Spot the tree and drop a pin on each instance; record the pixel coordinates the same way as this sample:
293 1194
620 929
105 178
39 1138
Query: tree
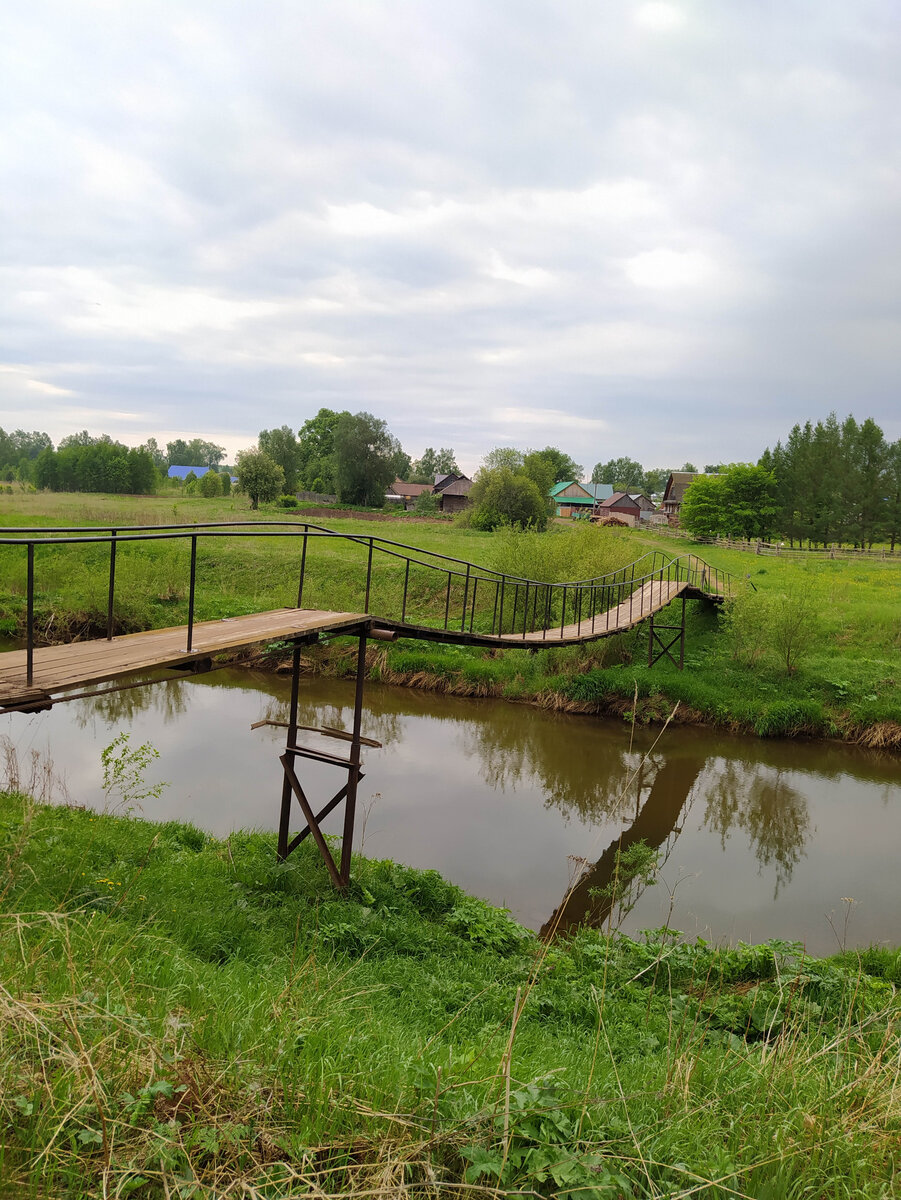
701 511
258 476
655 480
195 453
364 458
564 468
739 502
540 469
432 463
501 497
748 500
401 464
503 456
625 474
156 454
316 449
282 447
209 485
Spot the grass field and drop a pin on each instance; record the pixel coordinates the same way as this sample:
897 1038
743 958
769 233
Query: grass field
846 658
184 1017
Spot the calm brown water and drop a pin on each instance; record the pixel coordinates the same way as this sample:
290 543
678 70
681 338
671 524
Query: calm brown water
757 839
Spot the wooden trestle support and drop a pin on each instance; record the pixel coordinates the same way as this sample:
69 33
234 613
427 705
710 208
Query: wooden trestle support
659 646
291 785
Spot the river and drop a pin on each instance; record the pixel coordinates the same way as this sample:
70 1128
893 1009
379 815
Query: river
755 839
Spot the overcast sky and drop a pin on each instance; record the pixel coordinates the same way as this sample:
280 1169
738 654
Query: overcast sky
668 230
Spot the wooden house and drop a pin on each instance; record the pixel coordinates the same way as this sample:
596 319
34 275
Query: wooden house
571 499
452 492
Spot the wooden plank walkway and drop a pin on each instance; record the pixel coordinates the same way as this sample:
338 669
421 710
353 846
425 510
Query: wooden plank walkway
80 663
647 599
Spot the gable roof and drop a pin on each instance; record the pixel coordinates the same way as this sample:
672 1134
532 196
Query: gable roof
623 499
461 486
449 484
567 483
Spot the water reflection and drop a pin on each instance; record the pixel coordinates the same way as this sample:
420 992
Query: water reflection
762 803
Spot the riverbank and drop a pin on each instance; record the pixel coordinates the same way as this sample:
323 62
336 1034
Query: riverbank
815 651
182 1015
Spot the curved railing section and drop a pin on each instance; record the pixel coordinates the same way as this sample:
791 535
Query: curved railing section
421 592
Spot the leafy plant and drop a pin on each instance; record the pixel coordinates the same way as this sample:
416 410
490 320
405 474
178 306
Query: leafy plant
124 769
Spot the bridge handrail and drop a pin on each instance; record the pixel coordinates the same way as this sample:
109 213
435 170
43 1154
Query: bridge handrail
602 592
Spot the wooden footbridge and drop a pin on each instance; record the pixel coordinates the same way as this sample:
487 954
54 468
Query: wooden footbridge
401 590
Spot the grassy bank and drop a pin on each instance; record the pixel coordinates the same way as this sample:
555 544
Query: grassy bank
181 1016
841 678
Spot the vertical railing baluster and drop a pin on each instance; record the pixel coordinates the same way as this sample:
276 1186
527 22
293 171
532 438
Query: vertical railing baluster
29 619
403 611
563 612
525 612
191 591
368 578
497 588
303 565
472 611
112 587
465 599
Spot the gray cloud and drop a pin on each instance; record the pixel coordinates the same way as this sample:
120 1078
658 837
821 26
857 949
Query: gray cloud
667 229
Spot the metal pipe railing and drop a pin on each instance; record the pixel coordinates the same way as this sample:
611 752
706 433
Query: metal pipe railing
601 593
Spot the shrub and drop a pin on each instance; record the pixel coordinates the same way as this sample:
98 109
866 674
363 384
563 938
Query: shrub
427 503
287 501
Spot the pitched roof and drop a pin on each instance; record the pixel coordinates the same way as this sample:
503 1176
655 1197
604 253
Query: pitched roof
461 486
448 484
563 485
619 498
409 489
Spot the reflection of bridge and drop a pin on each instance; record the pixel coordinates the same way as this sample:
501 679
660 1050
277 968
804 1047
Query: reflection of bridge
401 590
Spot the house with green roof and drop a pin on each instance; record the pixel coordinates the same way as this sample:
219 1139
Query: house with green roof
571 499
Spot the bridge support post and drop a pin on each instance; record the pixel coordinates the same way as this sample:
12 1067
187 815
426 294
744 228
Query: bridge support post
658 645
292 789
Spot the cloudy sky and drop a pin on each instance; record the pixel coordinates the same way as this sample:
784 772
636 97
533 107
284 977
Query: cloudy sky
668 230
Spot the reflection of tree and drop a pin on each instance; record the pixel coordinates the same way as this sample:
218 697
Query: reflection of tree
655 821
168 698
774 815
520 746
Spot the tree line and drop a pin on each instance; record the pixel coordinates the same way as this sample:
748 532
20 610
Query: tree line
830 483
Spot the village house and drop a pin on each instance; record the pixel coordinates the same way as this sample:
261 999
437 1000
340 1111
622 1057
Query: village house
674 494
571 499
451 491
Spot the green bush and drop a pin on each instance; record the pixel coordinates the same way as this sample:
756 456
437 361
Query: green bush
287 501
